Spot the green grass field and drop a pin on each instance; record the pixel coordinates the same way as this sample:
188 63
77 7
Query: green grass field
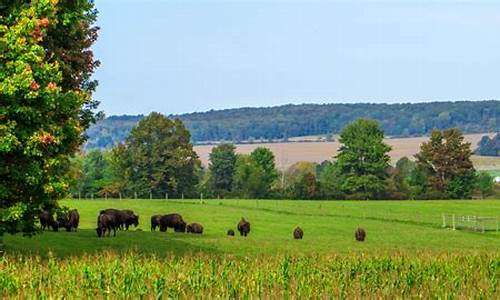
392 226
407 253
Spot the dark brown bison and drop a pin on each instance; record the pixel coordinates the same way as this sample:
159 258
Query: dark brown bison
360 234
47 220
106 222
124 218
230 232
298 233
174 221
194 228
155 222
72 220
243 227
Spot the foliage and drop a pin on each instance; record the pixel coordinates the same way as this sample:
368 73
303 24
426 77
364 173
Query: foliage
489 146
135 275
46 103
222 167
282 122
249 178
484 184
363 160
158 157
264 158
446 158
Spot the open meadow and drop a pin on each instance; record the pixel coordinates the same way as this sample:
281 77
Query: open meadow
406 226
406 253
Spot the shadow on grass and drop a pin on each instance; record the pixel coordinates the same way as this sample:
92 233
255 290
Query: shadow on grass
85 241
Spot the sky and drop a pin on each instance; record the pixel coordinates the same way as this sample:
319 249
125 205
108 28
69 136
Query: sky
196 55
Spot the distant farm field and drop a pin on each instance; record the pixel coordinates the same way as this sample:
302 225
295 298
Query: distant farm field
406 226
289 153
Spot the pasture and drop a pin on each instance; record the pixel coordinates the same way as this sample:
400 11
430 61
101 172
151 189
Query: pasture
407 254
392 226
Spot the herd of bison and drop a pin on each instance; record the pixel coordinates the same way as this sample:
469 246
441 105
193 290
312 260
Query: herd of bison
111 219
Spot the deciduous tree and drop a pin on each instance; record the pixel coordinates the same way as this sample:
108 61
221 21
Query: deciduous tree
363 160
222 167
446 158
45 102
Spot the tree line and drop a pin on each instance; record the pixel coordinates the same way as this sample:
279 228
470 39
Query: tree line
283 122
157 160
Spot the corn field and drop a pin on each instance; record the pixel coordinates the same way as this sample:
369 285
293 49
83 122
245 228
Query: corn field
133 275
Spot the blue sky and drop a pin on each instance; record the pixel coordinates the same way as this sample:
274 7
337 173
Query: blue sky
196 55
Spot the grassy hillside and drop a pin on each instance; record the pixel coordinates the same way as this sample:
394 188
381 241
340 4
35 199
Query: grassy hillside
392 226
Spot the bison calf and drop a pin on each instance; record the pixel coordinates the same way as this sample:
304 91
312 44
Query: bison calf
72 220
298 233
47 220
360 234
155 222
230 232
106 222
243 227
194 228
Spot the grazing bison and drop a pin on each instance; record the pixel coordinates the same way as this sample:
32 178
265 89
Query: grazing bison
155 222
47 220
72 220
230 232
124 218
360 234
298 233
106 222
194 228
243 227
174 221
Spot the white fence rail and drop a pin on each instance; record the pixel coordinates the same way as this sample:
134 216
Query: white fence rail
471 222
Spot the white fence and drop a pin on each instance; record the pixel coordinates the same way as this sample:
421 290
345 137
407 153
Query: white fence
471 222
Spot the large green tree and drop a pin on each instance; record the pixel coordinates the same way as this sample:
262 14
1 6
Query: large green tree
363 160
45 101
222 166
264 158
249 178
446 158
158 157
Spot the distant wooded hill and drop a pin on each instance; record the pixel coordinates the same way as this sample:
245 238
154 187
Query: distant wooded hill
283 122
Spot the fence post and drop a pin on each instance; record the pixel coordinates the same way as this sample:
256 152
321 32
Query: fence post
166 196
444 221
150 195
135 195
201 197
79 195
92 196
106 196
453 221
120 193
182 195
